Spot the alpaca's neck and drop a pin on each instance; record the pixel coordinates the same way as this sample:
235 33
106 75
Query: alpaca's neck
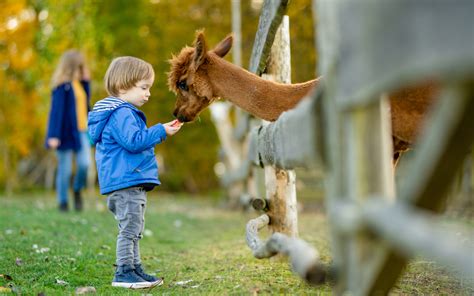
262 98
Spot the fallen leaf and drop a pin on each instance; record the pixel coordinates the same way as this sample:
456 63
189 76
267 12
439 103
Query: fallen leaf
182 283
148 232
61 282
5 290
42 250
18 262
85 290
177 223
15 290
6 276
255 290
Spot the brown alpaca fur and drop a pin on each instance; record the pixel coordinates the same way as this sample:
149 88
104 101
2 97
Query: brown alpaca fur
205 76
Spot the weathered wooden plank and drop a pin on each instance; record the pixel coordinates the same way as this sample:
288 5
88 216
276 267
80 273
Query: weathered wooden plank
244 170
366 163
386 44
446 141
242 126
294 140
281 195
236 29
443 146
304 259
412 232
221 119
270 19
232 149
251 233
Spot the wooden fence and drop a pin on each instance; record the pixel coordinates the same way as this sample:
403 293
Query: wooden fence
367 48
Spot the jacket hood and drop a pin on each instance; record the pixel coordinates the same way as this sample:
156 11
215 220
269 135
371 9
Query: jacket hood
99 116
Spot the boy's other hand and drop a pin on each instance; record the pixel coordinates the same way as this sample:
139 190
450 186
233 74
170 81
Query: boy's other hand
172 127
53 143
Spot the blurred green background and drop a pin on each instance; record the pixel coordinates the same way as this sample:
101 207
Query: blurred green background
33 35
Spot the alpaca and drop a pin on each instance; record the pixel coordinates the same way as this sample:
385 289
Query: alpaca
198 77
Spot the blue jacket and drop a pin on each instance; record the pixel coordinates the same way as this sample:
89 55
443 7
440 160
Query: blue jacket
125 153
62 122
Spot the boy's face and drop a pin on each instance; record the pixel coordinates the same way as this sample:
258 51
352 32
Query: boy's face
139 94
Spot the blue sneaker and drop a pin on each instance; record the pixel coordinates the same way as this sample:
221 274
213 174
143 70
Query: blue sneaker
125 277
149 278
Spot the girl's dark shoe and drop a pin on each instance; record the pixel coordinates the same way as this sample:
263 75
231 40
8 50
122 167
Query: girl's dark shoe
63 207
149 278
77 201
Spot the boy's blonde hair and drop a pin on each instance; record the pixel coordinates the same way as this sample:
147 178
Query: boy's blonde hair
124 72
70 67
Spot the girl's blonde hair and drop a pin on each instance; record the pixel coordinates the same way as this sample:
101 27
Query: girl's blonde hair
124 72
71 66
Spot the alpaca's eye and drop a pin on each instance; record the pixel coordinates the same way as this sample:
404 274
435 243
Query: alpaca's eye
182 85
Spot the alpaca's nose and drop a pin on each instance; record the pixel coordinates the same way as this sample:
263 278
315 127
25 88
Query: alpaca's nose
182 118
175 113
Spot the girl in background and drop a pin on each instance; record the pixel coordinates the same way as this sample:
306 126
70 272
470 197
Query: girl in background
67 126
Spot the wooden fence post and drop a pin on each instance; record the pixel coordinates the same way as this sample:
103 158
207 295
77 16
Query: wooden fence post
280 183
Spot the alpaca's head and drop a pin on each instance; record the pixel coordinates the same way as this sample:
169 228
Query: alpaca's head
188 77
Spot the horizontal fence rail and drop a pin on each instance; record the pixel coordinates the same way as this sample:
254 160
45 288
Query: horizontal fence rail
294 140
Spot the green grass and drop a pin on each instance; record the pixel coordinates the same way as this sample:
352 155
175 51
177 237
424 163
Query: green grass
188 239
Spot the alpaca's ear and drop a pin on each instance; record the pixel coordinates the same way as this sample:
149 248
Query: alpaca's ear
200 50
224 46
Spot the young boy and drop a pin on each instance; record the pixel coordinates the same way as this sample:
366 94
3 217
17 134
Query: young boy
126 161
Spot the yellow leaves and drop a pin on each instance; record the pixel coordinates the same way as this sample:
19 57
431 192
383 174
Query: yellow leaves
22 59
21 122
12 7
15 14
18 98
19 27
5 289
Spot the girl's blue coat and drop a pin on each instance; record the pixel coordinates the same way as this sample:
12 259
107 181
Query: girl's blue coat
62 122
125 154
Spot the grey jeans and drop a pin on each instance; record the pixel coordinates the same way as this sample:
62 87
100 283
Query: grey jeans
128 206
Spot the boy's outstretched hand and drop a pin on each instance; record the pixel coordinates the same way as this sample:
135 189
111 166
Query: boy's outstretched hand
172 127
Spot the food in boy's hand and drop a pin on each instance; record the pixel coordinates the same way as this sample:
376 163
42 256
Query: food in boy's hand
176 123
